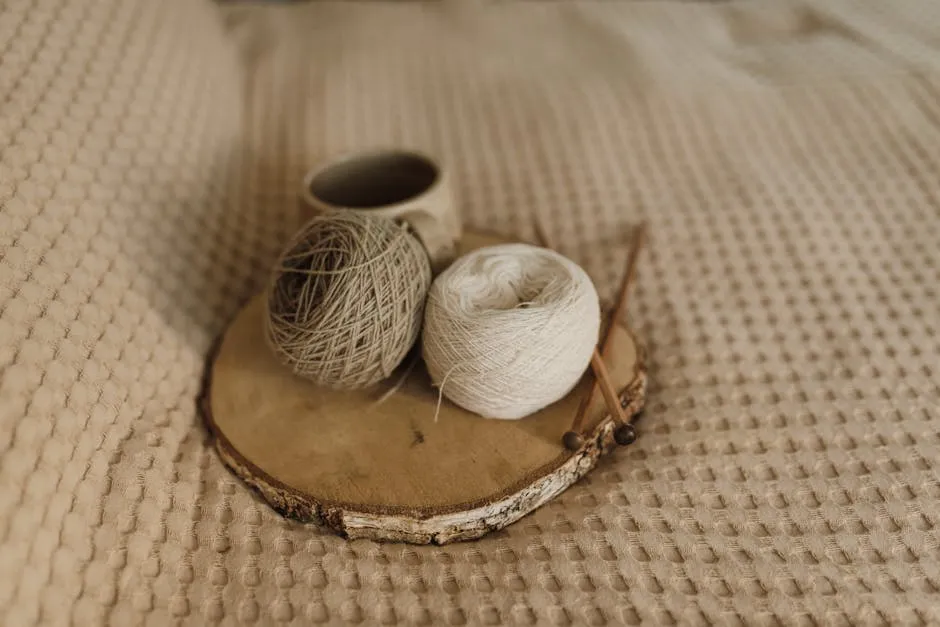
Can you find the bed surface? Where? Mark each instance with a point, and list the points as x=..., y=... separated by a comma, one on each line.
x=785, y=154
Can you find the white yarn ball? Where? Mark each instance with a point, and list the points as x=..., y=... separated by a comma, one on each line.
x=510, y=329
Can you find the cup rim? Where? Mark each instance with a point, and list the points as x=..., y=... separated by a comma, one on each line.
x=314, y=201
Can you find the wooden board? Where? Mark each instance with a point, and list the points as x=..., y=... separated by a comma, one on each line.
x=389, y=471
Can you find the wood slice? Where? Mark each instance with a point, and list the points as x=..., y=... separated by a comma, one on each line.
x=389, y=471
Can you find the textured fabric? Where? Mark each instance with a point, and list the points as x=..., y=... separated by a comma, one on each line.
x=786, y=156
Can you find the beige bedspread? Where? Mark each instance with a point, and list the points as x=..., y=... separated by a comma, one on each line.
x=786, y=156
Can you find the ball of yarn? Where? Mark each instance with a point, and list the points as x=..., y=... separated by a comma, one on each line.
x=346, y=299
x=510, y=329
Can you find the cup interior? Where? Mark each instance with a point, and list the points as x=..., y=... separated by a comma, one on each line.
x=374, y=180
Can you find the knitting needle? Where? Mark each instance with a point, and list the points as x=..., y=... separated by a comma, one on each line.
x=602, y=376
x=573, y=439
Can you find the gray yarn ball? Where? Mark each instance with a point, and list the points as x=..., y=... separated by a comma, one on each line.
x=346, y=299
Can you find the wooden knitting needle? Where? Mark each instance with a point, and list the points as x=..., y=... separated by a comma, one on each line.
x=601, y=375
x=625, y=433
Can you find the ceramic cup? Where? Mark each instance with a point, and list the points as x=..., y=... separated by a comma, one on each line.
x=399, y=184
